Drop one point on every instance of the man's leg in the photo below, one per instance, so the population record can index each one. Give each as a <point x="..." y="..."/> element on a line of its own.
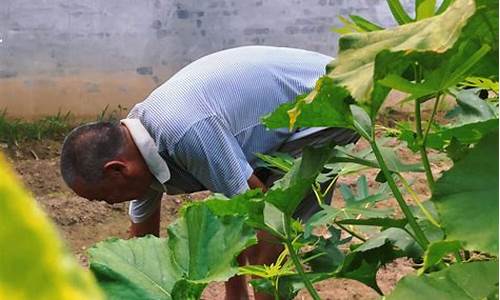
<point x="265" y="252"/>
<point x="236" y="287"/>
<point x="268" y="248"/>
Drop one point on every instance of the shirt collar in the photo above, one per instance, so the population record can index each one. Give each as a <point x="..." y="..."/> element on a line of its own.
<point x="148" y="149"/>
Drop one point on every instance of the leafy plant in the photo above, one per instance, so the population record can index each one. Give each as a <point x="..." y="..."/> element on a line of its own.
<point x="436" y="54"/>
<point x="34" y="263"/>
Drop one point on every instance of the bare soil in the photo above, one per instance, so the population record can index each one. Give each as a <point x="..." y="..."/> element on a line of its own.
<point x="83" y="223"/>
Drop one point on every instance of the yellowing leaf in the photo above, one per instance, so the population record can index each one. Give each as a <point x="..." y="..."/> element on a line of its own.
<point x="355" y="63"/>
<point x="34" y="264"/>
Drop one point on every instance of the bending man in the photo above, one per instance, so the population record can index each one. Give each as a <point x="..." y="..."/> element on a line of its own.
<point x="199" y="130"/>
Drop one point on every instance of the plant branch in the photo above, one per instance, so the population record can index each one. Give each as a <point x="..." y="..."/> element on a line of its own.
<point x="318" y="194"/>
<point x="415" y="198"/>
<point x="421" y="145"/>
<point x="330" y="185"/>
<point x="296" y="261"/>
<point x="351" y="232"/>
<point x="419" y="234"/>
<point x="431" y="120"/>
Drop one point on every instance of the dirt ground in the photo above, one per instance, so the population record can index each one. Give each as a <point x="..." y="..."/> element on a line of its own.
<point x="83" y="223"/>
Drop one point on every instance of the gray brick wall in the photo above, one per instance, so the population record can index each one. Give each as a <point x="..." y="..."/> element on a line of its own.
<point x="82" y="55"/>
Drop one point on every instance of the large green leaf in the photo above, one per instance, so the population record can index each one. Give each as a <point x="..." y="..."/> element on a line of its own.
<point x="469" y="281"/>
<point x="34" y="263"/>
<point x="249" y="205"/>
<point x="200" y="248"/>
<point x="287" y="193"/>
<point x="466" y="197"/>
<point x="134" y="269"/>
<point x="331" y="108"/>
<point x="354" y="67"/>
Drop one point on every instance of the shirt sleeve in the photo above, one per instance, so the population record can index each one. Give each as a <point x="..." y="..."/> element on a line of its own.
<point x="140" y="209"/>
<point x="213" y="156"/>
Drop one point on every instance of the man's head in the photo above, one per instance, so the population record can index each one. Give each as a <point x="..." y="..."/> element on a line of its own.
<point x="100" y="161"/>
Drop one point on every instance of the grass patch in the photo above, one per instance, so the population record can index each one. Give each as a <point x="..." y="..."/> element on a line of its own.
<point x="15" y="130"/>
<point x="55" y="127"/>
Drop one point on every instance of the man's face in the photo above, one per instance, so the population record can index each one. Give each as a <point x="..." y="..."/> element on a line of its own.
<point x="116" y="188"/>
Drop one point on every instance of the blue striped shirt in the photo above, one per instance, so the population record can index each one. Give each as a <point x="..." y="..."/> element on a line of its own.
<point x="205" y="120"/>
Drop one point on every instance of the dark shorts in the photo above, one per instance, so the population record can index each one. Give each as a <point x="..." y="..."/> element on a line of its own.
<point x="339" y="136"/>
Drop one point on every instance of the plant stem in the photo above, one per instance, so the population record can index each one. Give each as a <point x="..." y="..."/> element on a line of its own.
<point x="433" y="114"/>
<point x="351" y="232"/>
<point x="330" y="185"/>
<point x="296" y="261"/>
<point x="318" y="194"/>
<point x="421" y="145"/>
<point x="415" y="198"/>
<point x="419" y="234"/>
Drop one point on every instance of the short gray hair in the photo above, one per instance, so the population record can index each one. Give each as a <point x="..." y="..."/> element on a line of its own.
<point x="88" y="148"/>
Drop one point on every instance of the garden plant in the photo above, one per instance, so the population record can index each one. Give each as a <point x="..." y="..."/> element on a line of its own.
<point x="443" y="55"/>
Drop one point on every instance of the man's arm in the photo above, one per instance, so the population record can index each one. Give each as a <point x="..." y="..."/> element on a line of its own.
<point x="151" y="225"/>
<point x="254" y="182"/>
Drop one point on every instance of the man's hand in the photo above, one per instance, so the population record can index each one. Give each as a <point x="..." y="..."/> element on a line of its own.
<point x="254" y="182"/>
<point x="150" y="226"/>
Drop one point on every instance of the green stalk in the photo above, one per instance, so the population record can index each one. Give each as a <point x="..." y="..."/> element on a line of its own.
<point x="433" y="114"/>
<point x="419" y="234"/>
<point x="296" y="261"/>
<point x="351" y="232"/>
<point x="330" y="185"/>
<point x="416" y="199"/>
<point x="421" y="145"/>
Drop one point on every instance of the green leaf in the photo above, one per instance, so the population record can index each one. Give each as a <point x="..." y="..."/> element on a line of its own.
<point x="34" y="262"/>
<point x="456" y="65"/>
<point x="185" y="290"/>
<point x="476" y="280"/>
<point x="365" y="24"/>
<point x="280" y="161"/>
<point x="466" y="197"/>
<point x="363" y="263"/>
<point x="394" y="164"/>
<point x="287" y="193"/>
<point x="398" y="237"/>
<point x="134" y="269"/>
<point x="200" y="248"/>
<point x="365" y="58"/>
<point x="329" y="108"/>
<point x="471" y="108"/>
<point x="483" y="83"/>
<point x="437" y="250"/>
<point x="399" y="12"/>
<point x="367" y="158"/>
<point x="424" y="8"/>
<point x="327" y="255"/>
<point x="362" y="122"/>
<point x="274" y="219"/>
<point x="205" y="247"/>
<point x="250" y="205"/>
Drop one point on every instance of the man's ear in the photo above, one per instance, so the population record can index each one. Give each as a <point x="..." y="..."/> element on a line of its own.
<point x="115" y="168"/>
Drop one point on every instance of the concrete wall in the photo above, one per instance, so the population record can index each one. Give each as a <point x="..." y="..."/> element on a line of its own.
<point x="81" y="55"/>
